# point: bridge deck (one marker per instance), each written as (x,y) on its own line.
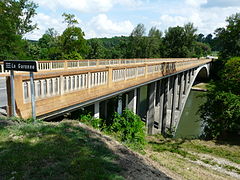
(70,87)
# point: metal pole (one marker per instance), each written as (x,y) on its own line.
(32,96)
(13,107)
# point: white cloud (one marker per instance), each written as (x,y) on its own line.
(102,26)
(87,5)
(195,3)
(44,22)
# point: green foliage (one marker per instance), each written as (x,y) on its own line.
(231,76)
(174,42)
(15,21)
(221,112)
(129,127)
(73,44)
(96,49)
(179,41)
(228,38)
(69,19)
(94,122)
(200,49)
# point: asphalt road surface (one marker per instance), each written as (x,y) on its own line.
(3,92)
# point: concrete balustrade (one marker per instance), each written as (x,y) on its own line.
(75,64)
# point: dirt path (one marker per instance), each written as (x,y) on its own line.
(135,165)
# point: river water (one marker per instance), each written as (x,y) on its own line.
(190,122)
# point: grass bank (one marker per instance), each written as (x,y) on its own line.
(53,151)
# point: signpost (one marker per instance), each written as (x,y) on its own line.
(30,66)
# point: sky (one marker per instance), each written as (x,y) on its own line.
(109,18)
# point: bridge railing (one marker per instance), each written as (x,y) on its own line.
(75,64)
(66,88)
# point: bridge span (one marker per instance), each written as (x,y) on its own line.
(64,86)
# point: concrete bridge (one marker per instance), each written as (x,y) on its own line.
(64,86)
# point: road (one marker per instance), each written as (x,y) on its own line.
(3,92)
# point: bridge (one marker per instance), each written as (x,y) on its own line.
(64,86)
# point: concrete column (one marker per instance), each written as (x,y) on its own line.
(138,101)
(169,102)
(132,101)
(119,108)
(151,107)
(105,109)
(127,100)
(170,91)
(96,110)
(174,102)
(161,101)
(189,77)
(181,89)
(165,105)
(185,82)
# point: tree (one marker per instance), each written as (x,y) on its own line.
(179,41)
(69,19)
(200,37)
(96,49)
(15,21)
(72,41)
(137,45)
(155,45)
(221,112)
(73,44)
(200,49)
(138,31)
(175,42)
(228,38)
(49,45)
(190,36)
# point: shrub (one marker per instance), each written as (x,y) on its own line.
(94,122)
(128,127)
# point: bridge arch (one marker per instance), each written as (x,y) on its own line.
(200,74)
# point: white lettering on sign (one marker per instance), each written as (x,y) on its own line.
(25,66)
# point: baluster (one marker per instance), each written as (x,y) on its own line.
(89,80)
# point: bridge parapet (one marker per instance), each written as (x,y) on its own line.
(59,65)
(61,89)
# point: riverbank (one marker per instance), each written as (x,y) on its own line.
(72,150)
(200,87)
